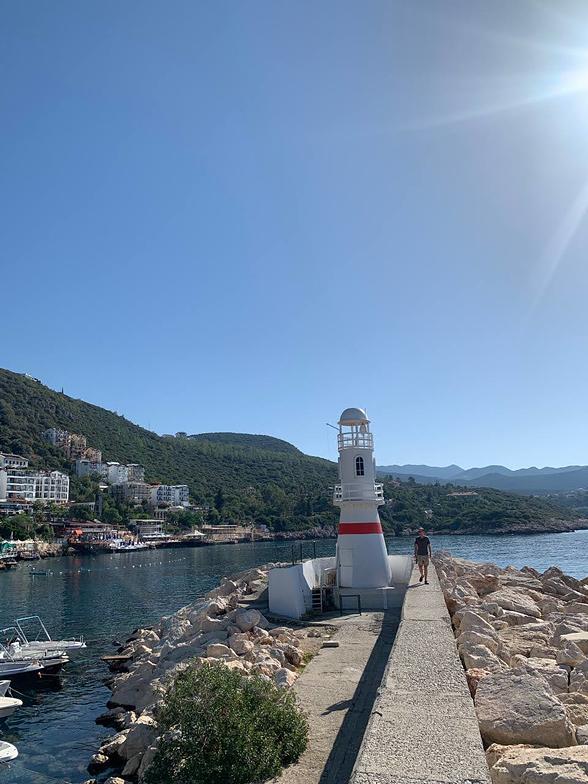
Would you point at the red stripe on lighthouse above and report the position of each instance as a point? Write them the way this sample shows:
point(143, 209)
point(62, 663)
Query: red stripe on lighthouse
point(360, 528)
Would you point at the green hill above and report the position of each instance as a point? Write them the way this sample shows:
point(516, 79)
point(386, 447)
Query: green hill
point(242, 476)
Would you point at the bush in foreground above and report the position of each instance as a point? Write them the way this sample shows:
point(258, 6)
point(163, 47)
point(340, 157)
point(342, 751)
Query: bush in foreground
point(223, 728)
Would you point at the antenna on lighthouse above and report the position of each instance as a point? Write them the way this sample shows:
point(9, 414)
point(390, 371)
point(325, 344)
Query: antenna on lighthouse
point(328, 424)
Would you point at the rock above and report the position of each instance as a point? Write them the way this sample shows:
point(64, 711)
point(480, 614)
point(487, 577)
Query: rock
point(112, 745)
point(132, 766)
point(115, 780)
point(110, 717)
point(292, 654)
point(140, 736)
point(513, 618)
point(220, 651)
point(579, 678)
point(284, 678)
point(483, 583)
point(247, 619)
point(236, 664)
point(582, 734)
point(524, 765)
point(544, 652)
point(545, 668)
point(577, 714)
point(576, 608)
point(97, 762)
point(516, 600)
point(520, 708)
point(476, 638)
point(570, 653)
point(240, 643)
point(472, 621)
point(130, 689)
point(580, 639)
point(473, 677)
point(480, 657)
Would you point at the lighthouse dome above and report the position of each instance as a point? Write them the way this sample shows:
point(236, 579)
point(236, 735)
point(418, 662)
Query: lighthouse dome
point(353, 416)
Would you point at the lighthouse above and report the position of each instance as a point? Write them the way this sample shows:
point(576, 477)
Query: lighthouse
point(362, 559)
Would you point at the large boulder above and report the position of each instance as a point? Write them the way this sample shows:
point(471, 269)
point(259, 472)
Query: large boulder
point(570, 653)
point(517, 600)
point(139, 737)
point(240, 643)
point(554, 674)
point(520, 708)
point(525, 765)
point(473, 637)
point(580, 639)
point(247, 619)
point(480, 657)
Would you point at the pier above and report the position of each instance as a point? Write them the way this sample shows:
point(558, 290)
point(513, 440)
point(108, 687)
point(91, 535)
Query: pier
point(391, 704)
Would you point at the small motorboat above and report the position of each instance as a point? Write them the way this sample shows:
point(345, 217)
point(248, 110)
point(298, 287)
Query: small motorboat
point(8, 752)
point(12, 668)
point(42, 639)
point(8, 705)
point(49, 660)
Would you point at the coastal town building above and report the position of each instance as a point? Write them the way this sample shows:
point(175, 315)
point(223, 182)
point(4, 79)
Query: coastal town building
point(173, 495)
point(74, 445)
point(136, 472)
point(131, 492)
point(116, 473)
point(47, 486)
point(8, 460)
point(87, 467)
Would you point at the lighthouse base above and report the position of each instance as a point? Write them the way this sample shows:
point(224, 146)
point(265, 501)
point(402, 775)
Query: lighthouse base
point(355, 599)
point(291, 588)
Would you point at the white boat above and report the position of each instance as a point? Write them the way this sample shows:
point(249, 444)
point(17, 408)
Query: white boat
point(8, 705)
point(11, 668)
point(124, 546)
point(8, 752)
point(48, 659)
point(42, 639)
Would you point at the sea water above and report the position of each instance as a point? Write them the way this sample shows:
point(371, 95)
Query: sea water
point(104, 597)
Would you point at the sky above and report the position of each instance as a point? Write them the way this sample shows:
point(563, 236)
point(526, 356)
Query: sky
point(247, 216)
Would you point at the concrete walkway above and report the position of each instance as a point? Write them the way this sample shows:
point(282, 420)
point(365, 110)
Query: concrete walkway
point(423, 728)
point(338, 689)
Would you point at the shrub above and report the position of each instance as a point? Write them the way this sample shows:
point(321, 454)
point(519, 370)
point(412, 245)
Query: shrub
point(222, 728)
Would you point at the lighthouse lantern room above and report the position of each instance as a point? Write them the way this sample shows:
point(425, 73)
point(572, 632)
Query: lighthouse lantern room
point(362, 558)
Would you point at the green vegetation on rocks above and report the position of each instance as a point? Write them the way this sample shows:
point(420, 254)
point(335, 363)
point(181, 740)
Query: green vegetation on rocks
point(220, 727)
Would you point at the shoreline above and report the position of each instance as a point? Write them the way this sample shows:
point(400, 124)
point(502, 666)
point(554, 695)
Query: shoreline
point(54, 550)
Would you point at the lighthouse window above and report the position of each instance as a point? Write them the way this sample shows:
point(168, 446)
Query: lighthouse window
point(359, 469)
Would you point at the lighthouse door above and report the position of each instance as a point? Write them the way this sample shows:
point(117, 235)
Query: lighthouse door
point(345, 566)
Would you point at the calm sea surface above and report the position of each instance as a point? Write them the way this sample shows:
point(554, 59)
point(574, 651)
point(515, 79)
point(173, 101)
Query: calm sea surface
point(104, 597)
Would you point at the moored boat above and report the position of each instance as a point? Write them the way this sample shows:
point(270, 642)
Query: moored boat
point(37, 637)
point(8, 752)
point(8, 705)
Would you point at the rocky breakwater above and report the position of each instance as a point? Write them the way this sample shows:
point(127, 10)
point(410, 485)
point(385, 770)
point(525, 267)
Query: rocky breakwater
point(214, 628)
point(523, 640)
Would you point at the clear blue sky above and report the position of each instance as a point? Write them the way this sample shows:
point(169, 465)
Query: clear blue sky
point(249, 215)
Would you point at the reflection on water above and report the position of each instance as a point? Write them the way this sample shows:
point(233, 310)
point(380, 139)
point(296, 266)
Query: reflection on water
point(104, 597)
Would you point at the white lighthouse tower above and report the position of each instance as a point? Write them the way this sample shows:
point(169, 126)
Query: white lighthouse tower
point(362, 559)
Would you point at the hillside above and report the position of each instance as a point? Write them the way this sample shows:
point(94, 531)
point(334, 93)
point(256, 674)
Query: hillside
point(529, 481)
point(260, 476)
point(243, 476)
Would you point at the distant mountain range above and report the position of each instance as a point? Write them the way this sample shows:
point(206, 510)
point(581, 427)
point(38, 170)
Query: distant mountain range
point(540, 481)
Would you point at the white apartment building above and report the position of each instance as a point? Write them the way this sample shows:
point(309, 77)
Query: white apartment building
point(12, 461)
point(174, 495)
point(44, 486)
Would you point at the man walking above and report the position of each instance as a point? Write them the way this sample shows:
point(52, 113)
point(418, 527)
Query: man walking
point(422, 553)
